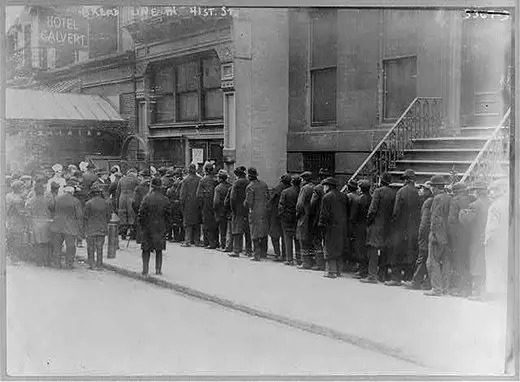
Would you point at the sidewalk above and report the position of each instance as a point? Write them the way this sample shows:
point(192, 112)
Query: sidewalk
point(445, 335)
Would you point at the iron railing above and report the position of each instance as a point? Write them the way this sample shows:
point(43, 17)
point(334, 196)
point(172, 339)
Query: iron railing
point(421, 119)
point(495, 152)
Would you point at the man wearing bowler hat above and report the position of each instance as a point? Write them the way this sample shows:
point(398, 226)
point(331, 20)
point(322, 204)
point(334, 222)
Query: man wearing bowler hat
point(303, 213)
point(317, 195)
point(205, 196)
point(287, 213)
point(239, 214)
point(275, 224)
point(348, 259)
point(219, 207)
point(257, 196)
point(191, 213)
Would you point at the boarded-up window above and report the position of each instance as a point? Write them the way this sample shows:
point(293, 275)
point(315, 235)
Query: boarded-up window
point(163, 87)
point(212, 93)
point(400, 86)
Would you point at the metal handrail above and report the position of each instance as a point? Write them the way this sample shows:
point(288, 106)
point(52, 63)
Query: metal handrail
point(485, 148)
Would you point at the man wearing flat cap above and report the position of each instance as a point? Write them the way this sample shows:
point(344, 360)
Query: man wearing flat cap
point(333, 223)
point(460, 241)
point(257, 196)
point(439, 258)
point(219, 207)
point(304, 227)
point(359, 216)
point(317, 195)
point(475, 219)
point(240, 214)
point(174, 195)
point(348, 262)
point(89, 177)
point(145, 178)
point(405, 222)
point(191, 213)
point(205, 196)
point(275, 224)
point(287, 213)
point(125, 195)
point(153, 220)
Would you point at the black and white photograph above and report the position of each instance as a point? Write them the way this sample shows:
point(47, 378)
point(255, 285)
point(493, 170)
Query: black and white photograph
point(258, 192)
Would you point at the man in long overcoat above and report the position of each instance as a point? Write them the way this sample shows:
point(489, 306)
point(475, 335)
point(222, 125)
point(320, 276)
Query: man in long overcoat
point(219, 207)
point(287, 213)
point(475, 218)
point(205, 197)
point(303, 213)
point(229, 231)
point(153, 219)
point(332, 221)
point(66, 226)
point(439, 259)
point(174, 195)
point(317, 195)
point(191, 213)
point(125, 196)
point(360, 228)
point(40, 221)
point(96, 216)
point(257, 196)
point(348, 261)
point(240, 214)
point(275, 224)
point(140, 192)
point(460, 241)
point(405, 221)
point(378, 231)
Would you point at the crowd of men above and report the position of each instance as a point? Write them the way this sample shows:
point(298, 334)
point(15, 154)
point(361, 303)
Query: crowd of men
point(442, 237)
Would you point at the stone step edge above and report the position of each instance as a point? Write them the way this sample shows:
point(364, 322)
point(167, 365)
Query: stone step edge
point(294, 323)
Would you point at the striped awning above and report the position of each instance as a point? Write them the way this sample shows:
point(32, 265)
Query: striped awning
point(24, 104)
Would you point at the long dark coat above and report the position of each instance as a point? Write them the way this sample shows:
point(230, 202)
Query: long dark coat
point(275, 224)
point(359, 217)
point(379, 216)
point(227, 204)
point(153, 219)
point(424, 226)
point(205, 196)
point(257, 196)
point(239, 217)
point(460, 235)
point(96, 215)
point(317, 195)
point(405, 224)
point(475, 218)
point(439, 219)
point(333, 222)
point(303, 213)
point(139, 193)
point(125, 197)
point(174, 195)
point(287, 208)
point(39, 216)
point(221, 191)
point(190, 209)
point(68, 216)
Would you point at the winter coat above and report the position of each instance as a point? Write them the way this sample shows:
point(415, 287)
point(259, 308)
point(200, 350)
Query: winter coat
point(275, 224)
point(89, 178)
point(239, 213)
point(112, 193)
point(317, 195)
point(475, 218)
point(424, 226)
point(40, 218)
point(359, 219)
point(257, 196)
point(125, 196)
point(96, 216)
point(188, 197)
point(287, 208)
point(379, 217)
point(440, 210)
point(167, 181)
point(139, 193)
point(221, 191)
point(303, 213)
point(205, 196)
point(459, 233)
point(174, 195)
point(405, 224)
point(153, 220)
point(333, 223)
point(68, 216)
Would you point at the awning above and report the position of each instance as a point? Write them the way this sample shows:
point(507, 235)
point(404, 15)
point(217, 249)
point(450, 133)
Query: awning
point(60, 87)
point(49, 106)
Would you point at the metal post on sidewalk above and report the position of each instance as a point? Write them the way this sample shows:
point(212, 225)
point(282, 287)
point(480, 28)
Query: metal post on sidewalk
point(113, 238)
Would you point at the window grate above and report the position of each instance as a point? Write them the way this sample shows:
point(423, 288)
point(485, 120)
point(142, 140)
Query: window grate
point(314, 161)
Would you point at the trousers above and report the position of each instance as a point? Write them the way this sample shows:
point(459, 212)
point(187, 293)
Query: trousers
point(70, 248)
point(192, 234)
point(421, 271)
point(278, 251)
point(238, 242)
point(222, 231)
point(260, 247)
point(439, 267)
point(332, 266)
point(146, 261)
point(291, 244)
point(95, 245)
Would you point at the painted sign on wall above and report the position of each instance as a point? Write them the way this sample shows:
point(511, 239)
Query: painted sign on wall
point(63, 30)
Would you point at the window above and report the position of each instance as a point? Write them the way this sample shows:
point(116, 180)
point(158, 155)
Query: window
point(400, 87)
point(313, 161)
point(212, 94)
point(323, 66)
point(163, 87)
point(188, 84)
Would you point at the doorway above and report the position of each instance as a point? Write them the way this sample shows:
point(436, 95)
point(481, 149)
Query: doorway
point(204, 150)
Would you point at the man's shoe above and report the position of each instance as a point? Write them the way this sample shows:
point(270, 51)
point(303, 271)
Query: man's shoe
point(278, 259)
point(411, 285)
point(330, 275)
point(289, 263)
point(211, 247)
point(360, 276)
point(255, 259)
point(369, 280)
point(432, 293)
point(304, 266)
point(393, 283)
point(158, 273)
point(234, 255)
point(318, 268)
point(185, 245)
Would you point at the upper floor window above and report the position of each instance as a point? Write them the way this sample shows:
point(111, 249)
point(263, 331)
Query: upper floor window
point(400, 85)
point(323, 66)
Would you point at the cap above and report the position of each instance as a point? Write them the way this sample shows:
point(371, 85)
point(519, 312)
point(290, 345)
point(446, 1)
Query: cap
point(386, 178)
point(408, 174)
point(251, 171)
point(306, 175)
point(325, 172)
point(352, 184)
point(240, 171)
point(286, 179)
point(364, 185)
point(57, 167)
point(192, 168)
point(156, 183)
point(296, 180)
point(330, 181)
point(438, 180)
point(459, 187)
point(222, 174)
point(54, 186)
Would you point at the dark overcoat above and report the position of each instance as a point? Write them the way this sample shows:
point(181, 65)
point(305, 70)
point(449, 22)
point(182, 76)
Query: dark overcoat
point(205, 197)
point(303, 213)
point(359, 216)
point(333, 222)
point(424, 226)
point(405, 225)
point(40, 219)
point(191, 213)
point(475, 218)
point(125, 197)
point(227, 204)
point(221, 191)
point(440, 211)
point(459, 233)
point(68, 216)
point(239, 212)
point(287, 209)
point(153, 219)
point(275, 224)
point(139, 193)
point(257, 196)
point(174, 195)
point(317, 195)
point(96, 216)
point(379, 216)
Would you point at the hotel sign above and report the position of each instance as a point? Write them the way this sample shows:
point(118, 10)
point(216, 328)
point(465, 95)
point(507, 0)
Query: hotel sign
point(63, 30)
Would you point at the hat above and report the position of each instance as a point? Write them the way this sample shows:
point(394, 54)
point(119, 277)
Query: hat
point(330, 181)
point(208, 168)
point(352, 184)
point(57, 167)
point(72, 167)
point(17, 185)
point(115, 169)
point(26, 177)
point(68, 189)
point(192, 168)
point(118, 174)
point(296, 180)
point(251, 171)
point(286, 179)
point(408, 174)
point(97, 188)
point(437, 180)
point(156, 183)
point(162, 170)
point(459, 187)
point(222, 174)
point(306, 175)
point(145, 173)
point(240, 171)
point(325, 172)
point(479, 185)
point(364, 185)
point(386, 178)
point(132, 170)
point(83, 166)
point(54, 186)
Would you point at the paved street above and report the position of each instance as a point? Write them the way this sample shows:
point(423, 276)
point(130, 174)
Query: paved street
point(98, 323)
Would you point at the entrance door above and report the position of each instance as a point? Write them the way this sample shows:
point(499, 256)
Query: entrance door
point(485, 43)
point(215, 153)
point(204, 150)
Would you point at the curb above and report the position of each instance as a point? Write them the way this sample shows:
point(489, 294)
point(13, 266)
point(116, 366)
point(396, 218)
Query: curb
point(294, 323)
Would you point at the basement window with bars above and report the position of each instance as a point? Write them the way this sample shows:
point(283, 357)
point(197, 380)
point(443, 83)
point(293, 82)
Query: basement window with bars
point(313, 161)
